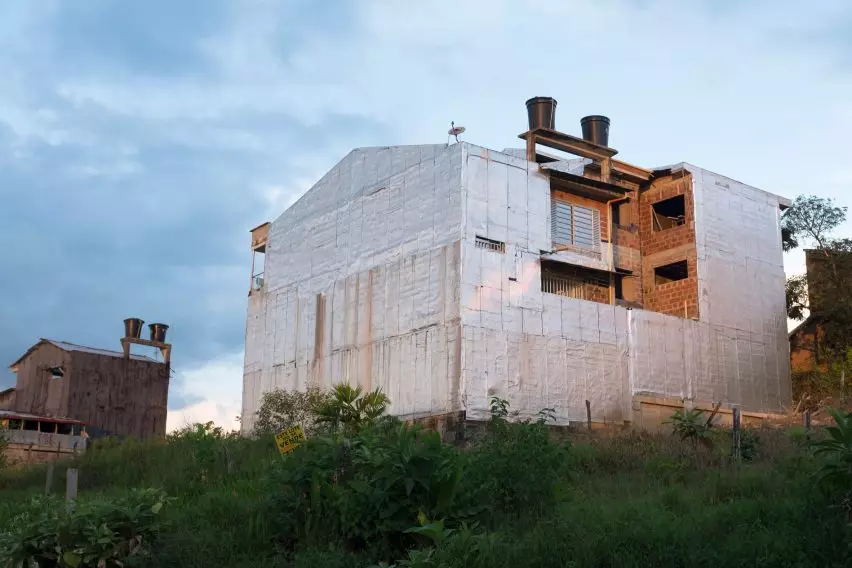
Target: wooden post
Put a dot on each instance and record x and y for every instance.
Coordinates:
(736, 449)
(48, 483)
(589, 414)
(71, 488)
(807, 417)
(842, 385)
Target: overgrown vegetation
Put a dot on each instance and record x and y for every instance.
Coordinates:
(101, 533)
(367, 490)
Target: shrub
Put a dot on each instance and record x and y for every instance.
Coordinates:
(690, 426)
(281, 409)
(835, 474)
(364, 491)
(351, 408)
(98, 534)
(515, 466)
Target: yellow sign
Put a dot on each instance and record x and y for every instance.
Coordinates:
(289, 439)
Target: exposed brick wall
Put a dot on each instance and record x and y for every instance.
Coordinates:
(679, 298)
(803, 349)
(597, 290)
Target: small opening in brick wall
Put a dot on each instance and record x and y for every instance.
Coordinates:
(668, 213)
(489, 244)
(671, 272)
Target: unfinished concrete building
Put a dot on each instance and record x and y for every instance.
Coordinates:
(446, 274)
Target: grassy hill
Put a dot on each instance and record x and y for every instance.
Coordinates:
(393, 494)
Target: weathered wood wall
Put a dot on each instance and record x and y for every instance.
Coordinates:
(36, 391)
(7, 399)
(125, 397)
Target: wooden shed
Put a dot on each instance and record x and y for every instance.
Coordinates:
(119, 395)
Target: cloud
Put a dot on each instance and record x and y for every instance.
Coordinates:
(139, 143)
(215, 389)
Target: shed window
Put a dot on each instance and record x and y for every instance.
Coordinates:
(574, 225)
(670, 272)
(668, 213)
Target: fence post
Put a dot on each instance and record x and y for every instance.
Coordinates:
(807, 418)
(71, 489)
(736, 449)
(48, 482)
(589, 414)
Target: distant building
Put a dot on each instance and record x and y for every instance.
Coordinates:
(806, 340)
(34, 439)
(7, 399)
(106, 390)
(447, 274)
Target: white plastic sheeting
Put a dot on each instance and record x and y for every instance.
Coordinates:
(362, 283)
(545, 351)
(373, 277)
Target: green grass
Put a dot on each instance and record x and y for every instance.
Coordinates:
(621, 500)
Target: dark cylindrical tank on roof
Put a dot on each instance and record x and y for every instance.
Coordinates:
(158, 332)
(596, 129)
(541, 112)
(133, 327)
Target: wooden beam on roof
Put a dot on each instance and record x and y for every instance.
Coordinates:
(565, 143)
(587, 187)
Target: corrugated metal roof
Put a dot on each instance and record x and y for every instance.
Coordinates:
(65, 346)
(12, 415)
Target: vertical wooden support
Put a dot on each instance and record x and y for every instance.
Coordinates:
(531, 147)
(606, 170)
(736, 446)
(589, 414)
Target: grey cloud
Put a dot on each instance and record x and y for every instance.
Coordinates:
(105, 215)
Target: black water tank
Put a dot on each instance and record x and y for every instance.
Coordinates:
(133, 327)
(541, 112)
(158, 332)
(596, 129)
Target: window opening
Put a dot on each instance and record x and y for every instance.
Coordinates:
(670, 272)
(489, 244)
(573, 282)
(258, 263)
(574, 225)
(668, 213)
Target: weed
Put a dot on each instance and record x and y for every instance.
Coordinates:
(690, 426)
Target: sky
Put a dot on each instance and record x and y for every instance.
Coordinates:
(140, 141)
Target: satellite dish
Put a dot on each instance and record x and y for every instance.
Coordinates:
(455, 131)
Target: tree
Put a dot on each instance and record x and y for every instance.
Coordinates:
(825, 294)
(280, 409)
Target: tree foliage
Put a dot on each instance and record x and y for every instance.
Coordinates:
(351, 408)
(280, 409)
(811, 219)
